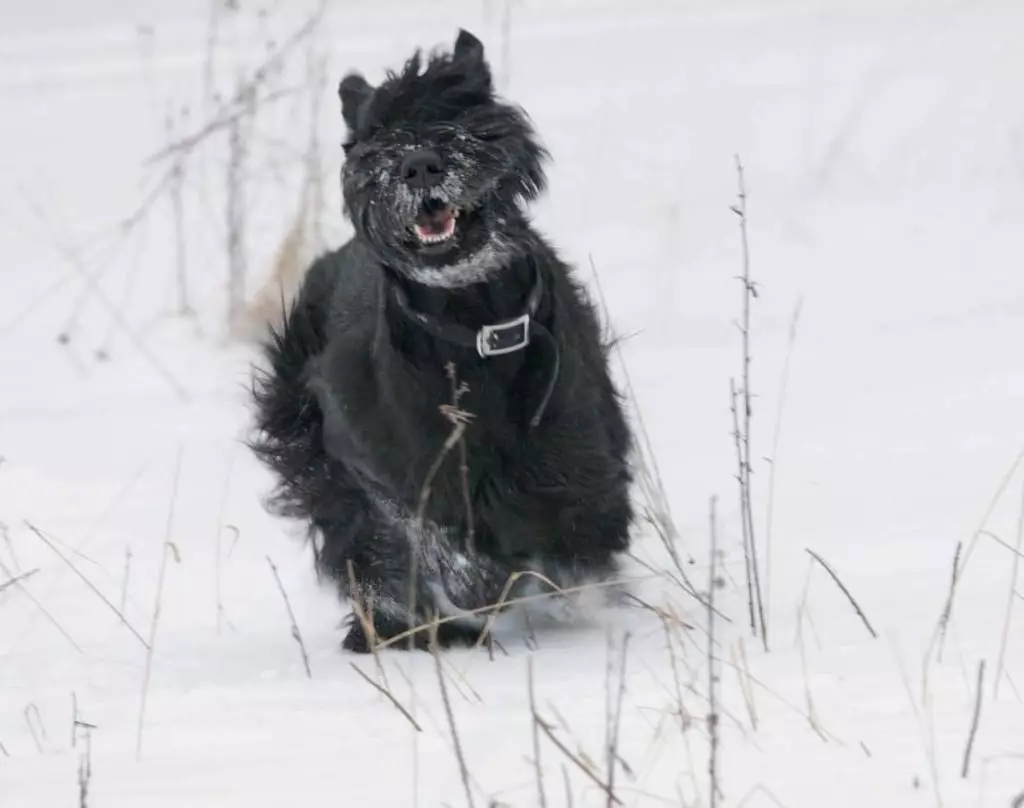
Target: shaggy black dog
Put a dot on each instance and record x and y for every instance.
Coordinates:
(445, 296)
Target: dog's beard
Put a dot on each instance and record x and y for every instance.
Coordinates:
(441, 237)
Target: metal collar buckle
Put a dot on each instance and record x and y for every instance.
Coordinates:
(503, 338)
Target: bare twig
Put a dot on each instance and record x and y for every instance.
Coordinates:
(85, 772)
(459, 420)
(389, 696)
(37, 728)
(616, 719)
(568, 786)
(746, 468)
(18, 579)
(463, 769)
(712, 679)
(1001, 667)
(125, 578)
(770, 507)
(168, 548)
(947, 611)
(974, 721)
(649, 478)
(583, 767)
(296, 634)
(845, 591)
(19, 582)
(90, 584)
(534, 723)
(744, 492)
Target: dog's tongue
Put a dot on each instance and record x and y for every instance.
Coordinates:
(438, 223)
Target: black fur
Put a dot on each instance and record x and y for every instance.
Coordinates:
(349, 408)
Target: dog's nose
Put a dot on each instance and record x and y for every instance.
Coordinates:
(422, 169)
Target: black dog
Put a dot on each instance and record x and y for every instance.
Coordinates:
(445, 296)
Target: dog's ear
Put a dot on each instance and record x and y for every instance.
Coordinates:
(468, 47)
(353, 91)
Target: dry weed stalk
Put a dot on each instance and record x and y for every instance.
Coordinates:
(802, 613)
(85, 772)
(614, 719)
(715, 791)
(169, 549)
(19, 582)
(649, 479)
(37, 728)
(106, 601)
(18, 579)
(463, 769)
(538, 768)
(1017, 555)
(388, 695)
(745, 439)
(975, 720)
(844, 590)
(460, 420)
(296, 634)
(776, 434)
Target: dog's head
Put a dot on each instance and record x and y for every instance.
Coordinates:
(436, 166)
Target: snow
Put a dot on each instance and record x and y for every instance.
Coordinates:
(884, 152)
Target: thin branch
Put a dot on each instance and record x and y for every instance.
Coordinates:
(613, 741)
(463, 769)
(583, 767)
(744, 494)
(974, 721)
(388, 695)
(770, 507)
(712, 683)
(749, 292)
(90, 584)
(35, 601)
(542, 797)
(1001, 668)
(296, 634)
(845, 591)
(168, 548)
(18, 579)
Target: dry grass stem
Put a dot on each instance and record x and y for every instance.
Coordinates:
(776, 434)
(538, 768)
(1008, 619)
(576, 760)
(169, 549)
(746, 468)
(975, 720)
(615, 718)
(120, 614)
(845, 591)
(463, 768)
(388, 695)
(715, 791)
(296, 634)
(18, 579)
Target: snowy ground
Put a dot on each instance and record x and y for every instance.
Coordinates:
(884, 146)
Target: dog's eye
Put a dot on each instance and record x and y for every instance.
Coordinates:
(347, 146)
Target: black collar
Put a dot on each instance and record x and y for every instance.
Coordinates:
(504, 337)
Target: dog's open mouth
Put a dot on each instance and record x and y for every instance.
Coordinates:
(435, 224)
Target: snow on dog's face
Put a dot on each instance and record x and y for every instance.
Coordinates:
(436, 166)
